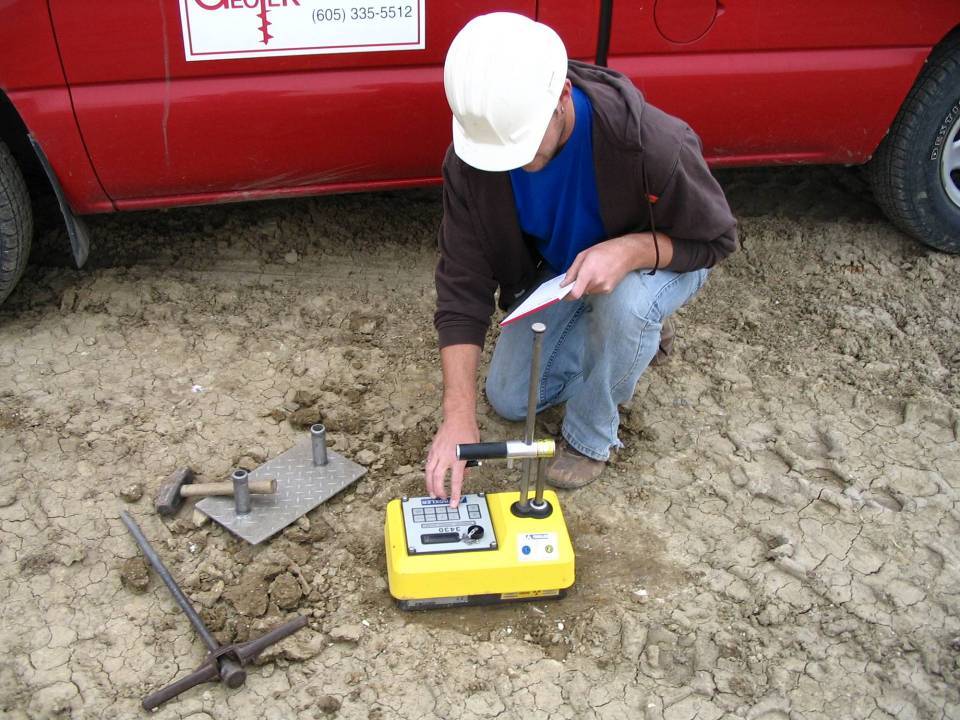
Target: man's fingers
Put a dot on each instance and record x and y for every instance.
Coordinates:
(431, 469)
(581, 287)
(441, 459)
(456, 483)
(571, 274)
(584, 277)
(436, 474)
(440, 482)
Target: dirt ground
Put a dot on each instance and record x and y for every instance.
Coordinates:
(778, 540)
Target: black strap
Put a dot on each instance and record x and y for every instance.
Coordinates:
(653, 226)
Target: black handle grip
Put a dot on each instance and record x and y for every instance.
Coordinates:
(482, 451)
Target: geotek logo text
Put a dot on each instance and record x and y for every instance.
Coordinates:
(237, 29)
(264, 6)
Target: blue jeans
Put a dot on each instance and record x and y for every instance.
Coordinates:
(594, 351)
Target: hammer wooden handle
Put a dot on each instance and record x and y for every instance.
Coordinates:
(257, 487)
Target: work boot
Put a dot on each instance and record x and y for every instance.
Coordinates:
(667, 335)
(569, 469)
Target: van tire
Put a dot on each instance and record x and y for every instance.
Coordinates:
(16, 222)
(907, 171)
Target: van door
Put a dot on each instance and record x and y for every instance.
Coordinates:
(773, 82)
(181, 101)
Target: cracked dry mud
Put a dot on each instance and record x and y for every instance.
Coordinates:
(778, 540)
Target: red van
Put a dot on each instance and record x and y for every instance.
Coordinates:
(132, 105)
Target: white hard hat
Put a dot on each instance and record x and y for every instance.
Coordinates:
(503, 76)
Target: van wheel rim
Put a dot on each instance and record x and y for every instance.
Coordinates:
(950, 164)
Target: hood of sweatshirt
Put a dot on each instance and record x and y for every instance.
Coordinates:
(616, 101)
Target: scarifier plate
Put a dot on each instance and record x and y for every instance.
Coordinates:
(301, 486)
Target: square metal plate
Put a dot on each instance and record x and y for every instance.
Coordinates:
(301, 486)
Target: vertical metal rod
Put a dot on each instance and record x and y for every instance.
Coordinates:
(541, 477)
(157, 564)
(318, 437)
(603, 36)
(241, 491)
(525, 483)
(532, 396)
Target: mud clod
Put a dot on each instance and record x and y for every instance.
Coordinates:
(310, 531)
(347, 633)
(214, 617)
(249, 597)
(285, 591)
(132, 493)
(327, 704)
(305, 417)
(135, 574)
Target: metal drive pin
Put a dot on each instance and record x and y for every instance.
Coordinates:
(538, 330)
(535, 468)
(538, 502)
(241, 491)
(318, 437)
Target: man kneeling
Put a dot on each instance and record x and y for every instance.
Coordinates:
(559, 167)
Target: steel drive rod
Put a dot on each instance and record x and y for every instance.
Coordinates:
(221, 661)
(157, 564)
(230, 672)
(532, 396)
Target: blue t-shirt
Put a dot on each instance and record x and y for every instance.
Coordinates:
(559, 205)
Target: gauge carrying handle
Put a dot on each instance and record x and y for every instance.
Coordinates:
(482, 451)
(508, 449)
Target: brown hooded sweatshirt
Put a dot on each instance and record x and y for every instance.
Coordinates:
(482, 246)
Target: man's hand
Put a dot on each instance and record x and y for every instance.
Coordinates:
(600, 268)
(453, 431)
(460, 363)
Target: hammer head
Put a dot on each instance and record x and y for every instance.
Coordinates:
(169, 499)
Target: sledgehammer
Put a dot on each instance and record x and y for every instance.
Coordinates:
(179, 485)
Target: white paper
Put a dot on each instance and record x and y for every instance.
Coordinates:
(545, 295)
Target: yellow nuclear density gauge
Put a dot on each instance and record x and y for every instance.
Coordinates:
(501, 547)
(478, 553)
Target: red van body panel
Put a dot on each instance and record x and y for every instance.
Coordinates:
(32, 79)
(127, 121)
(763, 82)
(163, 130)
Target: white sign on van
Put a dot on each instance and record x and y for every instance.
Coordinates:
(233, 29)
